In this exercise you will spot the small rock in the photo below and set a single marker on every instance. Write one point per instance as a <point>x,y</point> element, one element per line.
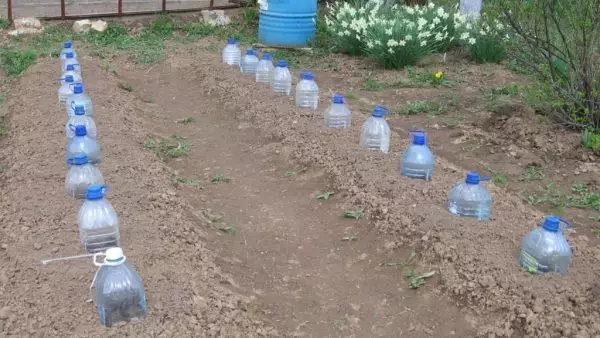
<point>4,246</point>
<point>37,246</point>
<point>215,18</point>
<point>82,26</point>
<point>25,31</point>
<point>99,25</point>
<point>27,23</point>
<point>55,250</point>
<point>363,256</point>
<point>4,312</point>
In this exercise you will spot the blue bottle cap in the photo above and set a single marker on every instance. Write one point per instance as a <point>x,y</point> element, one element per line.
<point>78,159</point>
<point>419,139</point>
<point>250,51</point>
<point>551,223</point>
<point>266,56</point>
<point>338,98</point>
<point>378,112</point>
<point>308,76</point>
<point>79,110</point>
<point>96,191</point>
<point>69,55</point>
<point>231,41</point>
<point>472,176</point>
<point>282,64</point>
<point>78,88</point>
<point>68,44</point>
<point>69,78</point>
<point>71,67</point>
<point>80,130</point>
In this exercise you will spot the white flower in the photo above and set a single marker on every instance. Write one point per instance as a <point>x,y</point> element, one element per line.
<point>362,10</point>
<point>469,26</point>
<point>410,10</point>
<point>464,36</point>
<point>392,43</point>
<point>431,5</point>
<point>357,37</point>
<point>344,24</point>
<point>391,51</point>
<point>402,43</point>
<point>440,11</point>
<point>421,22</point>
<point>370,44</point>
<point>388,31</point>
<point>423,43</point>
<point>347,32</point>
<point>436,20</point>
<point>439,37</point>
<point>408,37</point>
<point>445,16</point>
<point>432,26</point>
<point>500,26</point>
<point>340,33</point>
<point>482,32</point>
<point>377,43</point>
<point>472,41</point>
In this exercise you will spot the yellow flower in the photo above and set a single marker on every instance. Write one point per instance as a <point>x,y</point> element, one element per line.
<point>439,75</point>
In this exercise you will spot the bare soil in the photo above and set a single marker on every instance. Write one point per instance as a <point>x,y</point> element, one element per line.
<point>285,270</point>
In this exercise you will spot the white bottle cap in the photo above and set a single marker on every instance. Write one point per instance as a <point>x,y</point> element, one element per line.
<point>114,254</point>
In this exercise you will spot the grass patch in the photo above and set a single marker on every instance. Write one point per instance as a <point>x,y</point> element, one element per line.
<point>355,214</point>
<point>591,140</point>
<point>186,120</point>
<point>166,148</point>
<point>550,195</point>
<point>220,178</point>
<point>532,173</point>
<point>350,96</point>
<point>4,24</point>
<point>15,62</point>
<point>419,107</point>
<point>180,180</point>
<point>416,79</point>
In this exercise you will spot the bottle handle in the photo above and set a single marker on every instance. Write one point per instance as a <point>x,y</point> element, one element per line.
<point>568,224</point>
<point>71,127</point>
<point>95,259</point>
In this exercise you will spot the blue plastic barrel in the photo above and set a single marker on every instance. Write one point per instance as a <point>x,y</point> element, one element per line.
<point>287,23</point>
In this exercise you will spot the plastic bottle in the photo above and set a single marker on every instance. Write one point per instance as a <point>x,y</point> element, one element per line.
<point>80,118</point>
<point>120,295</point>
<point>81,175</point>
<point>249,62</point>
<point>470,199</point>
<point>376,132</point>
<point>82,143</point>
<point>65,90</point>
<point>545,248</point>
<point>98,221</point>
<point>79,98</point>
<point>338,115</point>
<point>67,48</point>
<point>232,54</point>
<point>418,160</point>
<point>307,92</point>
<point>71,60</point>
<point>282,78</point>
<point>70,70</point>
<point>264,69</point>
<point>471,8</point>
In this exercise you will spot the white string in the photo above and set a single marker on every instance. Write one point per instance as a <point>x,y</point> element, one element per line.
<point>46,261</point>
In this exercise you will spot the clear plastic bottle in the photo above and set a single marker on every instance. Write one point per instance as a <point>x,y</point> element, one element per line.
<point>81,175</point>
<point>67,48</point>
<point>338,115</point>
<point>376,133</point>
<point>81,119</point>
<point>545,248</point>
<point>82,143</point>
<point>98,221</point>
<point>120,295</point>
<point>418,160</point>
<point>249,62</point>
<point>282,79</point>
<point>232,54</point>
<point>307,92</point>
<point>471,8</point>
<point>71,60</point>
<point>65,90</point>
<point>264,69</point>
<point>70,70</point>
<point>470,199</point>
<point>79,98</point>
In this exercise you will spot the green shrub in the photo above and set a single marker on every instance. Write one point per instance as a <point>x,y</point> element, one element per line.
<point>489,37</point>
<point>591,140</point>
<point>15,62</point>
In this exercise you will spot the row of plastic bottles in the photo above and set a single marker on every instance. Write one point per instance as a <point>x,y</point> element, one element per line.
<point>544,249</point>
<point>120,295</point>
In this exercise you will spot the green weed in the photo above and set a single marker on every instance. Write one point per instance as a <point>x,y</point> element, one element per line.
<point>289,173</point>
<point>325,195</point>
<point>596,232</point>
<point>3,168</point>
<point>591,140</point>
<point>173,147</point>
<point>417,280</point>
<point>227,228</point>
<point>179,180</point>
<point>419,107</point>
<point>532,173</point>
<point>355,214</point>
<point>186,120</point>
<point>220,178</point>
<point>15,62</point>
<point>350,96</point>
<point>4,24</point>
